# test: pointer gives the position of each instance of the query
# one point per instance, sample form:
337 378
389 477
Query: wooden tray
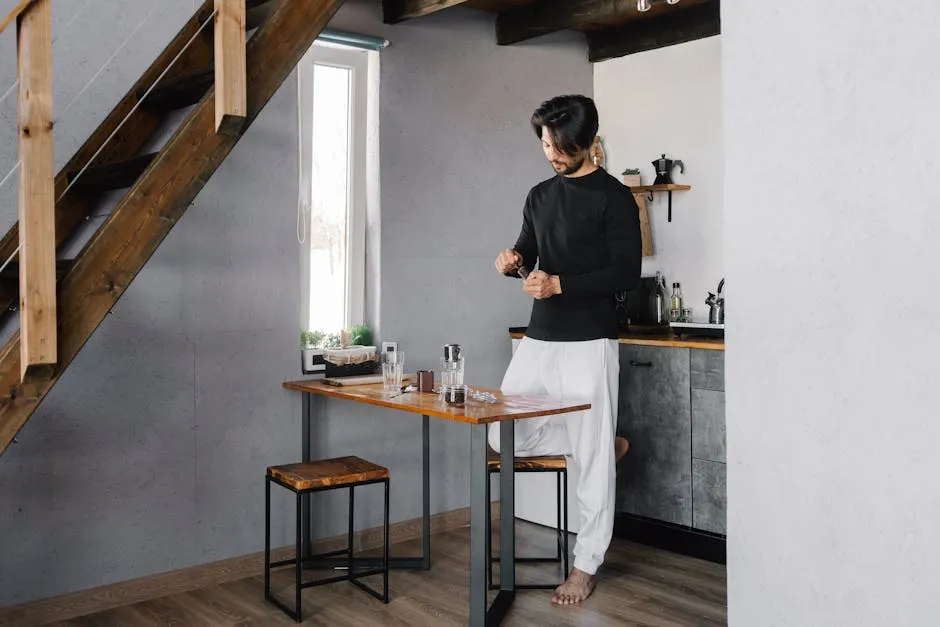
364 380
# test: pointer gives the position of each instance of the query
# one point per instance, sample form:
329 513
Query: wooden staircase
160 186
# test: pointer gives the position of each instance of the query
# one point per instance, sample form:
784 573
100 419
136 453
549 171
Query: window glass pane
330 196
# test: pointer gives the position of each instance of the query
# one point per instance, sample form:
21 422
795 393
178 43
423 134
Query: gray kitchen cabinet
709 495
708 369
655 478
708 425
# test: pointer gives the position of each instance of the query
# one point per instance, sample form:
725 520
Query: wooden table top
513 407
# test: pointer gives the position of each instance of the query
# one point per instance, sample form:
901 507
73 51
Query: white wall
831 233
669 100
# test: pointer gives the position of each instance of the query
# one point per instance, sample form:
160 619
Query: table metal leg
306 508
480 615
422 562
426 470
478 526
507 507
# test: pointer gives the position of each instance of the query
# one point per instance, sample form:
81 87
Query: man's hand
508 261
542 285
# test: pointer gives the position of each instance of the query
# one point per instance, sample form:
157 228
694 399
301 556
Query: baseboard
108 597
671 537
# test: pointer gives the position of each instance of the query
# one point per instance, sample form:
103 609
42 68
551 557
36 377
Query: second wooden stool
546 463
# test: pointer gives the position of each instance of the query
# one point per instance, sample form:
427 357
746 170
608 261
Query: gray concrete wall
831 228
149 454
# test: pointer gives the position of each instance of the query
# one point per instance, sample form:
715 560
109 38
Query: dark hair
571 122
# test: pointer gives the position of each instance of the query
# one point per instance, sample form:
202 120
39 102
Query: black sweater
587 231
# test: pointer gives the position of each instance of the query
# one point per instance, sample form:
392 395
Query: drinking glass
393 364
452 372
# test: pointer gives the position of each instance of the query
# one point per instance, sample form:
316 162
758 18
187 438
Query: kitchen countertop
654 338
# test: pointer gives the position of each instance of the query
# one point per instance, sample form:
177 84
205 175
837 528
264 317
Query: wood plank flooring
638 585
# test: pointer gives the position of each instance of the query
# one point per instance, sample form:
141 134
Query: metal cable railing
208 20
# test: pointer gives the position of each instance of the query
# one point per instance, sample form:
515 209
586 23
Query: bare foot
621 446
576 589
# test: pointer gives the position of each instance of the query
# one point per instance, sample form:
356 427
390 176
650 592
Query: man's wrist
556 284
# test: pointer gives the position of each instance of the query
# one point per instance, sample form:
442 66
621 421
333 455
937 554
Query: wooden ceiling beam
394 11
549 16
696 22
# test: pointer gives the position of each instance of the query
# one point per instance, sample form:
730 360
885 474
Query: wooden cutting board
360 380
645 235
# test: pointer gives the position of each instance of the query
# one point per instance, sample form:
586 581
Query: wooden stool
547 463
319 476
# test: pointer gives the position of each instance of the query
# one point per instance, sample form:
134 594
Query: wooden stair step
115 175
177 93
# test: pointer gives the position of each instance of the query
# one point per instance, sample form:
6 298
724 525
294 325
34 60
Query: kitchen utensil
452 366
451 352
664 169
716 305
364 380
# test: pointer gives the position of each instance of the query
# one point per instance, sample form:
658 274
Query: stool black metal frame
298 561
561 530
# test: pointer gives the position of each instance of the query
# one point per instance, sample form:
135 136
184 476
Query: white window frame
357 61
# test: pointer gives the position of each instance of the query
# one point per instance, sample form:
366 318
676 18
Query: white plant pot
631 180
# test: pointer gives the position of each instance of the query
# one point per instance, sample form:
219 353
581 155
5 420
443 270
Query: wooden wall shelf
670 188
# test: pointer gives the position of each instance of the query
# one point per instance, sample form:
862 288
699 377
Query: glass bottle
662 300
675 305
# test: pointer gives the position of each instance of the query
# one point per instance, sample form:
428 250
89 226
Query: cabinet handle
641 364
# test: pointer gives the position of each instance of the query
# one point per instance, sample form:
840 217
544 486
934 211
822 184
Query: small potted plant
311 351
360 335
631 177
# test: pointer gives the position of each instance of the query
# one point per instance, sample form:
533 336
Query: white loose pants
586 371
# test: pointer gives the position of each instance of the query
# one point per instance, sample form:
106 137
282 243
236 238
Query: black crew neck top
586 230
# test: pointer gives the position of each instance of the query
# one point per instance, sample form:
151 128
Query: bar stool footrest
534 560
529 586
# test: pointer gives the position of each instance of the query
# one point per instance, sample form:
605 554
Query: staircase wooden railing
38 346
37 190
160 186
231 92
15 13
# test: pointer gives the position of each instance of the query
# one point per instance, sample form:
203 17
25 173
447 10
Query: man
582 227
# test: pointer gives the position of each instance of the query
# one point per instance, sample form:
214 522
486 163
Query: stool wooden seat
543 463
335 473
318 476
522 464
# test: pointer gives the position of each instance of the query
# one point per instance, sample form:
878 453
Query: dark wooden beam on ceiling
394 11
550 16
696 22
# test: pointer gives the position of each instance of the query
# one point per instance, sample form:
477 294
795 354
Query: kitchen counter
653 338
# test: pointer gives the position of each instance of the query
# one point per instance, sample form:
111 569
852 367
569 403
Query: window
333 94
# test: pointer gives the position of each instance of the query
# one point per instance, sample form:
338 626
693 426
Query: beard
568 168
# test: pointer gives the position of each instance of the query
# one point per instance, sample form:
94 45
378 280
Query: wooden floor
637 586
